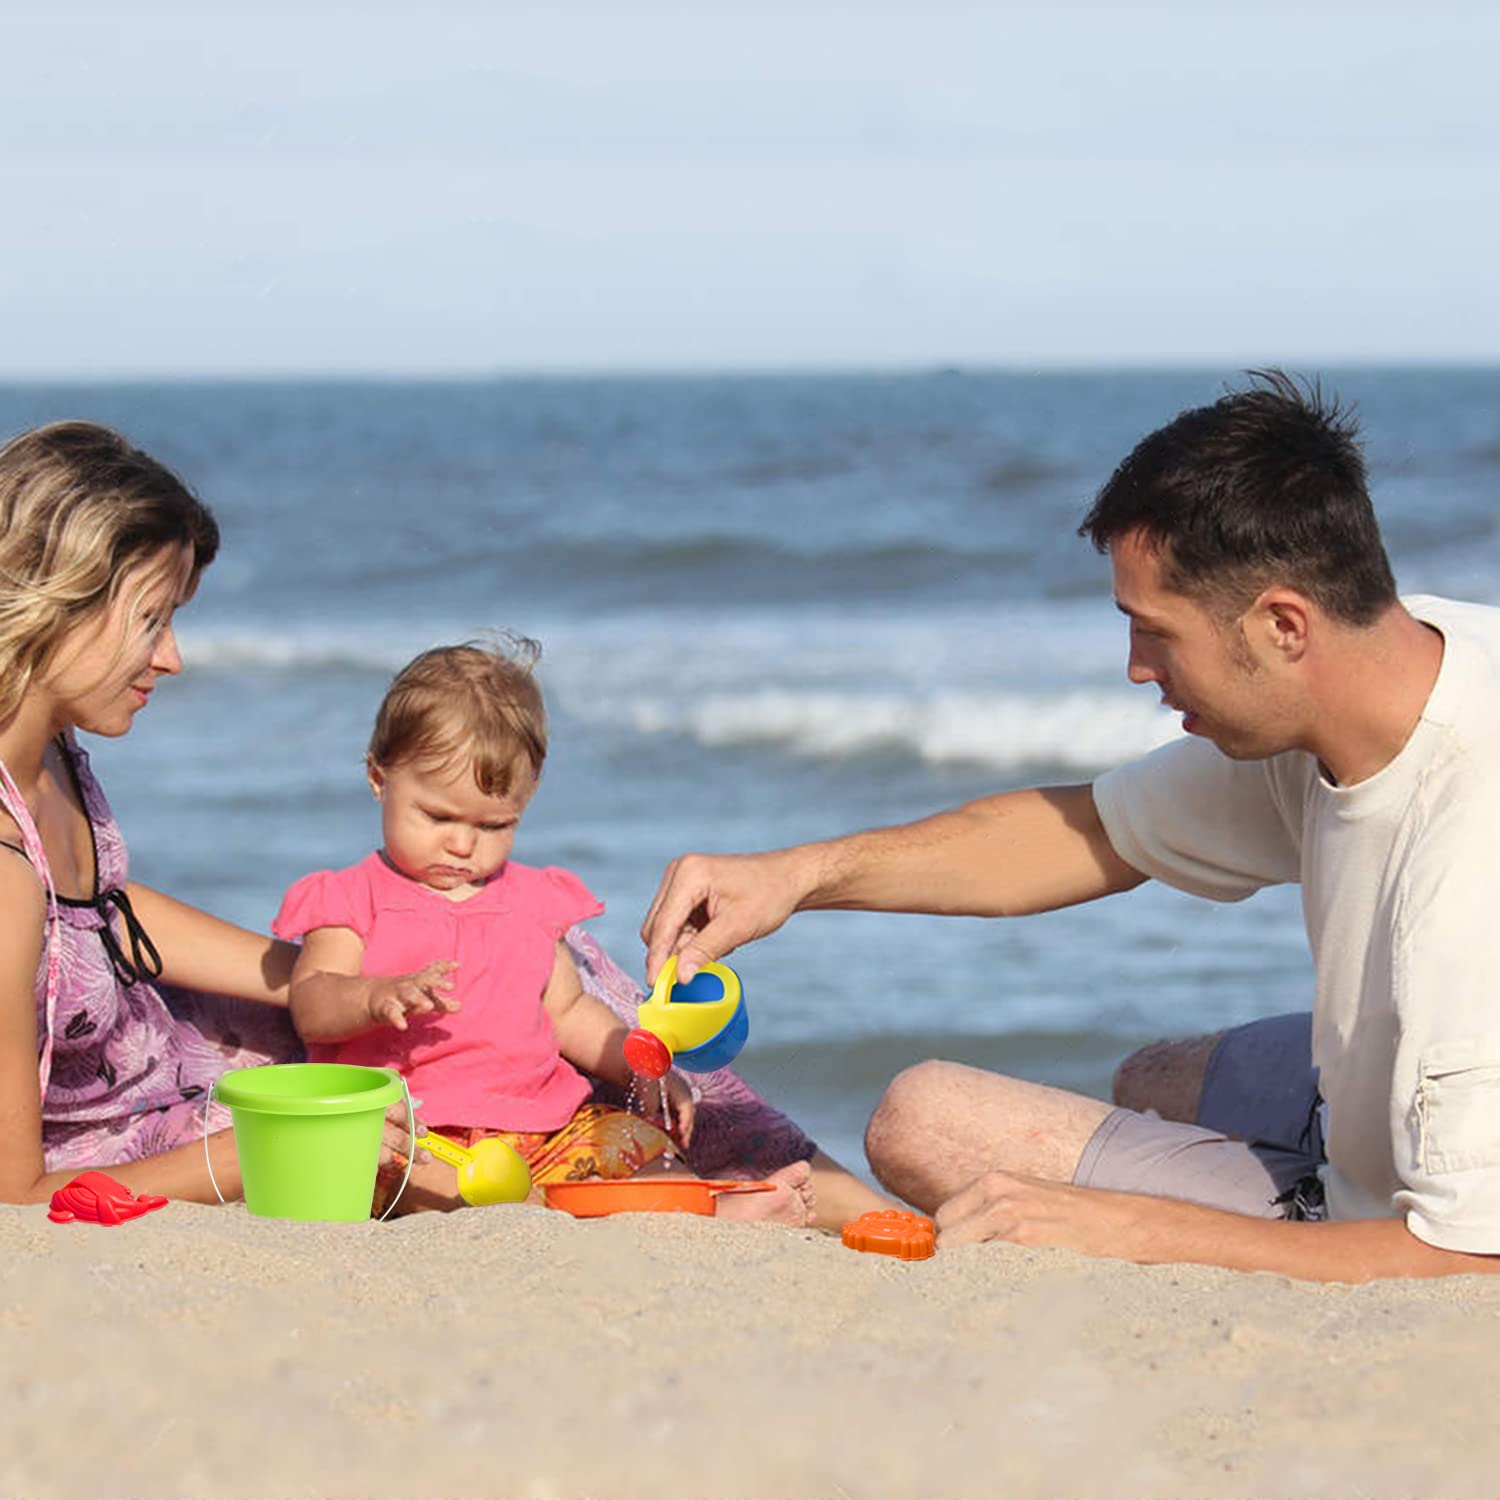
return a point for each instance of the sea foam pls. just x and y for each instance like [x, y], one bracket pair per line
[1078, 730]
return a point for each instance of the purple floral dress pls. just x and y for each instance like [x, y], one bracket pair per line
[126, 1064]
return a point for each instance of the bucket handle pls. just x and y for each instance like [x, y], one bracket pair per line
[411, 1126]
[411, 1130]
[208, 1160]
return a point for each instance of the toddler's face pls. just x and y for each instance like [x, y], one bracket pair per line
[440, 829]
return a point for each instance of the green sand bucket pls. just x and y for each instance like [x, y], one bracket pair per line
[308, 1136]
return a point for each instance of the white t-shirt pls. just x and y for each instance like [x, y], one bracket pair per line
[1400, 880]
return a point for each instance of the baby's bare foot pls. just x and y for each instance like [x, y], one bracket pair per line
[791, 1203]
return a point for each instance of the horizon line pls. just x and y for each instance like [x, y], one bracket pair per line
[748, 371]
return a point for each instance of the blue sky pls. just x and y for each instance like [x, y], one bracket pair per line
[463, 188]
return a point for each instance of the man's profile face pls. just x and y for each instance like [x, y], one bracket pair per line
[1203, 666]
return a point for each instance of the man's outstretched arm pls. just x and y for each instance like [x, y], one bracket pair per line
[1155, 1231]
[1006, 855]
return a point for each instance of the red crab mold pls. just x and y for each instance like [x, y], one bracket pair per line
[96, 1198]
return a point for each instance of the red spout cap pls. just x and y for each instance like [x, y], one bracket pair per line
[646, 1054]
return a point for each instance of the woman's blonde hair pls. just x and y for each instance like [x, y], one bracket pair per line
[478, 701]
[79, 508]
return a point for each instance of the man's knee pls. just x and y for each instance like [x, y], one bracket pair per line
[1166, 1076]
[905, 1119]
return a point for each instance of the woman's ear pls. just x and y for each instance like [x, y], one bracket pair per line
[375, 775]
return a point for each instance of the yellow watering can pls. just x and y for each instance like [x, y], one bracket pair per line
[700, 1025]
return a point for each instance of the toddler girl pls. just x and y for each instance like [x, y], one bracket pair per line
[440, 956]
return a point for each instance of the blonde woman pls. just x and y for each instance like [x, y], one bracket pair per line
[99, 547]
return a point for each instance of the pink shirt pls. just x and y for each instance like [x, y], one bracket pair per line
[494, 1064]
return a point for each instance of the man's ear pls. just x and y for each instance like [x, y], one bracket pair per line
[1284, 622]
[375, 775]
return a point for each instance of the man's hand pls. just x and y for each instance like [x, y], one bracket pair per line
[1153, 1231]
[1032, 1211]
[707, 905]
[401, 995]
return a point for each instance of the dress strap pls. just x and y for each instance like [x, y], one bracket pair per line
[15, 804]
[144, 963]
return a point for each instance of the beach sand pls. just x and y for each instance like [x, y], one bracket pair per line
[517, 1352]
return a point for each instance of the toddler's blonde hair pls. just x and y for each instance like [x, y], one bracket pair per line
[479, 701]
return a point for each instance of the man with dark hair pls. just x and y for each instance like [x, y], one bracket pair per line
[1266, 484]
[1336, 736]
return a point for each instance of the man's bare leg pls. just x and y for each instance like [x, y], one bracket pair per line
[942, 1124]
[1167, 1077]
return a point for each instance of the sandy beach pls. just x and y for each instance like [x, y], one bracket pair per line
[517, 1352]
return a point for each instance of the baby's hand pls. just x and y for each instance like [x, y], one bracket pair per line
[680, 1097]
[679, 1121]
[393, 1000]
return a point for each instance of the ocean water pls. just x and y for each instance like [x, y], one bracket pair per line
[771, 609]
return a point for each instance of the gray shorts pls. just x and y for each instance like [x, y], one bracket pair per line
[1258, 1143]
